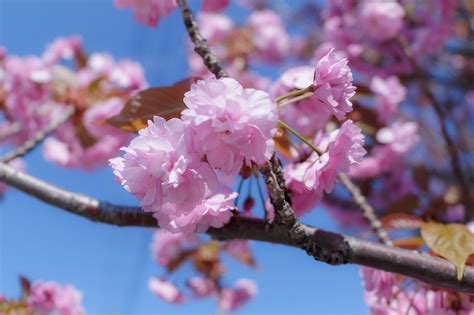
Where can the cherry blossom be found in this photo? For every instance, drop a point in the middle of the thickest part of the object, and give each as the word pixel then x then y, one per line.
pixel 148 12
pixel 45 297
pixel 230 125
pixel 233 298
pixel 165 290
pixel 344 148
pixel 381 19
pixel 333 84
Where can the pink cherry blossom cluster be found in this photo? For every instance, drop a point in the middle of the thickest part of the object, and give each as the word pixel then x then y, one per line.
pixel 307 180
pixel 369 30
pixel 168 248
pixel 49 297
pixel 384 296
pixel 173 166
pixel 150 12
pixel 230 298
pixel 37 89
pixel 262 39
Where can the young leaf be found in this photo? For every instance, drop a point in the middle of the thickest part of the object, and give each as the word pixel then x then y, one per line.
pixel 452 241
pixel 406 204
pixel 283 144
pixel 178 261
pixel 409 243
pixel 166 101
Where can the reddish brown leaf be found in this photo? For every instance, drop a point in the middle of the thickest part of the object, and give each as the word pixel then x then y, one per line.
pixel 245 171
pixel 421 177
pixel 178 261
pixel 166 102
pixel 283 144
pixel 410 243
pixel 401 221
pixel 85 138
pixel 25 285
pixel 206 260
pixel 406 205
pixel 364 115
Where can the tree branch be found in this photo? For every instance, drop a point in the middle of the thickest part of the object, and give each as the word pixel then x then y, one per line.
pixel 435 271
pixel 39 137
pixel 200 43
pixel 453 154
pixel 368 211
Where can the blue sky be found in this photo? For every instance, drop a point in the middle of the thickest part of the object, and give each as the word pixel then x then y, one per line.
pixel 112 265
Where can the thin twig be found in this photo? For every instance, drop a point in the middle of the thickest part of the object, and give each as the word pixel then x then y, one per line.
pixel 434 271
pixel 200 43
pixel 453 154
pixel 451 148
pixel 30 144
pixel 368 211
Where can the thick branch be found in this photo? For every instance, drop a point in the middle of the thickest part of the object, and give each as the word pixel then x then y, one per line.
pixel 432 270
pixel 200 43
pixel 39 137
pixel 368 211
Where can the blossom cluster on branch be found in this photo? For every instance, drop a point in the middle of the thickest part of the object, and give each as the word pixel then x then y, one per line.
pixel 375 95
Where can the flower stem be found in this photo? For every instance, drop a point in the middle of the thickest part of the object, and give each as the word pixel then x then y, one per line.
pixel 299 136
pixel 294 93
pixel 295 99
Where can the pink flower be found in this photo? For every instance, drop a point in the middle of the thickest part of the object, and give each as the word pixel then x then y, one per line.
pixel 303 199
pixel 148 12
pixel 66 149
pixel 333 84
pixel 270 39
pixel 381 19
pixel 68 301
pixel 165 290
pixel 389 93
pixel 399 136
pixel 422 301
pixel 233 298
pixel 214 5
pixel 344 148
pixel 159 167
pixel 43 296
pixel 201 287
pixel 28 96
pixel 110 76
pixel 215 26
pixel 167 246
pixel 306 116
pixel 46 297
pixel 62 48
pixel 214 211
pixel 230 125
pixel 379 282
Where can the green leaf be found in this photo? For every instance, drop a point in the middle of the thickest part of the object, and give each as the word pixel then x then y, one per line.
pixel 452 241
